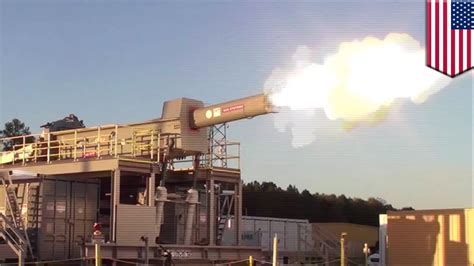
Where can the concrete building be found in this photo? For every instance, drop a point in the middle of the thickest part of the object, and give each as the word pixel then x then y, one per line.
pixel 427 237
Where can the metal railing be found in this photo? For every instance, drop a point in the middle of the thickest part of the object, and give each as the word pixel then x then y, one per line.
pixel 225 154
pixel 15 208
pixel 326 243
pixel 12 235
pixel 104 141
pixel 231 157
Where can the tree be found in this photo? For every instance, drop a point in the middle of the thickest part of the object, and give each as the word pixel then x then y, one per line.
pixel 13 129
pixel 292 189
pixel 306 194
pixel 270 187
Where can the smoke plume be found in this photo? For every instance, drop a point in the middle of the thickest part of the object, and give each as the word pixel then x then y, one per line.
pixel 357 84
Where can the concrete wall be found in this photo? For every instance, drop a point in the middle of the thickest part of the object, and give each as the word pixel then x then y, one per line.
pixel 431 237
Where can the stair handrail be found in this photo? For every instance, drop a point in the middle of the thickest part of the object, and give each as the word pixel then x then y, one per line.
pixel 327 242
pixel 5 187
pixel 19 209
pixel 16 240
pixel 327 236
pixel 220 231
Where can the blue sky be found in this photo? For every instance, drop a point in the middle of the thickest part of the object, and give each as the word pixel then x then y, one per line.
pixel 118 61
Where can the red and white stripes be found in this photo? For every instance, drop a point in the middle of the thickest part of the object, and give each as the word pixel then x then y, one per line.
pixel 447 50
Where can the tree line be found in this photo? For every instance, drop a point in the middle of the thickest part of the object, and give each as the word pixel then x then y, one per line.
pixel 269 200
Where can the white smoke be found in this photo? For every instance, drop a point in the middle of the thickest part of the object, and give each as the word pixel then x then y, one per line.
pixel 357 84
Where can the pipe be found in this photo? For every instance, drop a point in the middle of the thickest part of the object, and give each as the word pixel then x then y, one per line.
pixel 275 251
pixel 343 249
pixel 192 200
pixel 98 256
pixel 164 171
pixel 196 164
pixel 161 197
pixel 145 239
pixel 232 110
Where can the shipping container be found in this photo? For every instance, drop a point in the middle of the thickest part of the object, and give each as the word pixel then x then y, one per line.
pixel 59 213
pixel 295 243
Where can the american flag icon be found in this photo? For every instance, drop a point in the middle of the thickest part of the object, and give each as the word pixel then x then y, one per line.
pixel 449 38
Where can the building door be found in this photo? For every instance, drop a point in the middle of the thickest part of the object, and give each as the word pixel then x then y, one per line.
pixel 83 215
pixel 68 212
pixel 53 231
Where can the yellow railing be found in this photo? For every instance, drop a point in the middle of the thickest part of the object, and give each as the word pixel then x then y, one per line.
pixel 90 143
pixel 228 159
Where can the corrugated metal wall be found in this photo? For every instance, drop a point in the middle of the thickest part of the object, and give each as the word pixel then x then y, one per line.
pixel 293 235
pixel 202 224
pixel 84 213
pixel 68 211
pixel 172 230
pixel 431 237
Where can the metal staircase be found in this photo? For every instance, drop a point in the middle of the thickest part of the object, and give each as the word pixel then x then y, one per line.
pixel 33 217
pixel 13 237
pixel 220 229
pixel 15 223
pixel 225 207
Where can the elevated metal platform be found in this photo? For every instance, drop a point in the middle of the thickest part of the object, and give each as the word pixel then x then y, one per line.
pixel 174 181
pixel 101 175
pixel 180 253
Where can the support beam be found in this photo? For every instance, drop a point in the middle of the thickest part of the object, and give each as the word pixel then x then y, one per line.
pixel 211 211
pixel 150 190
pixel 114 201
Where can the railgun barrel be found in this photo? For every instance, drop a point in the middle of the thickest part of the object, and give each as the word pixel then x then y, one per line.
pixel 232 110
